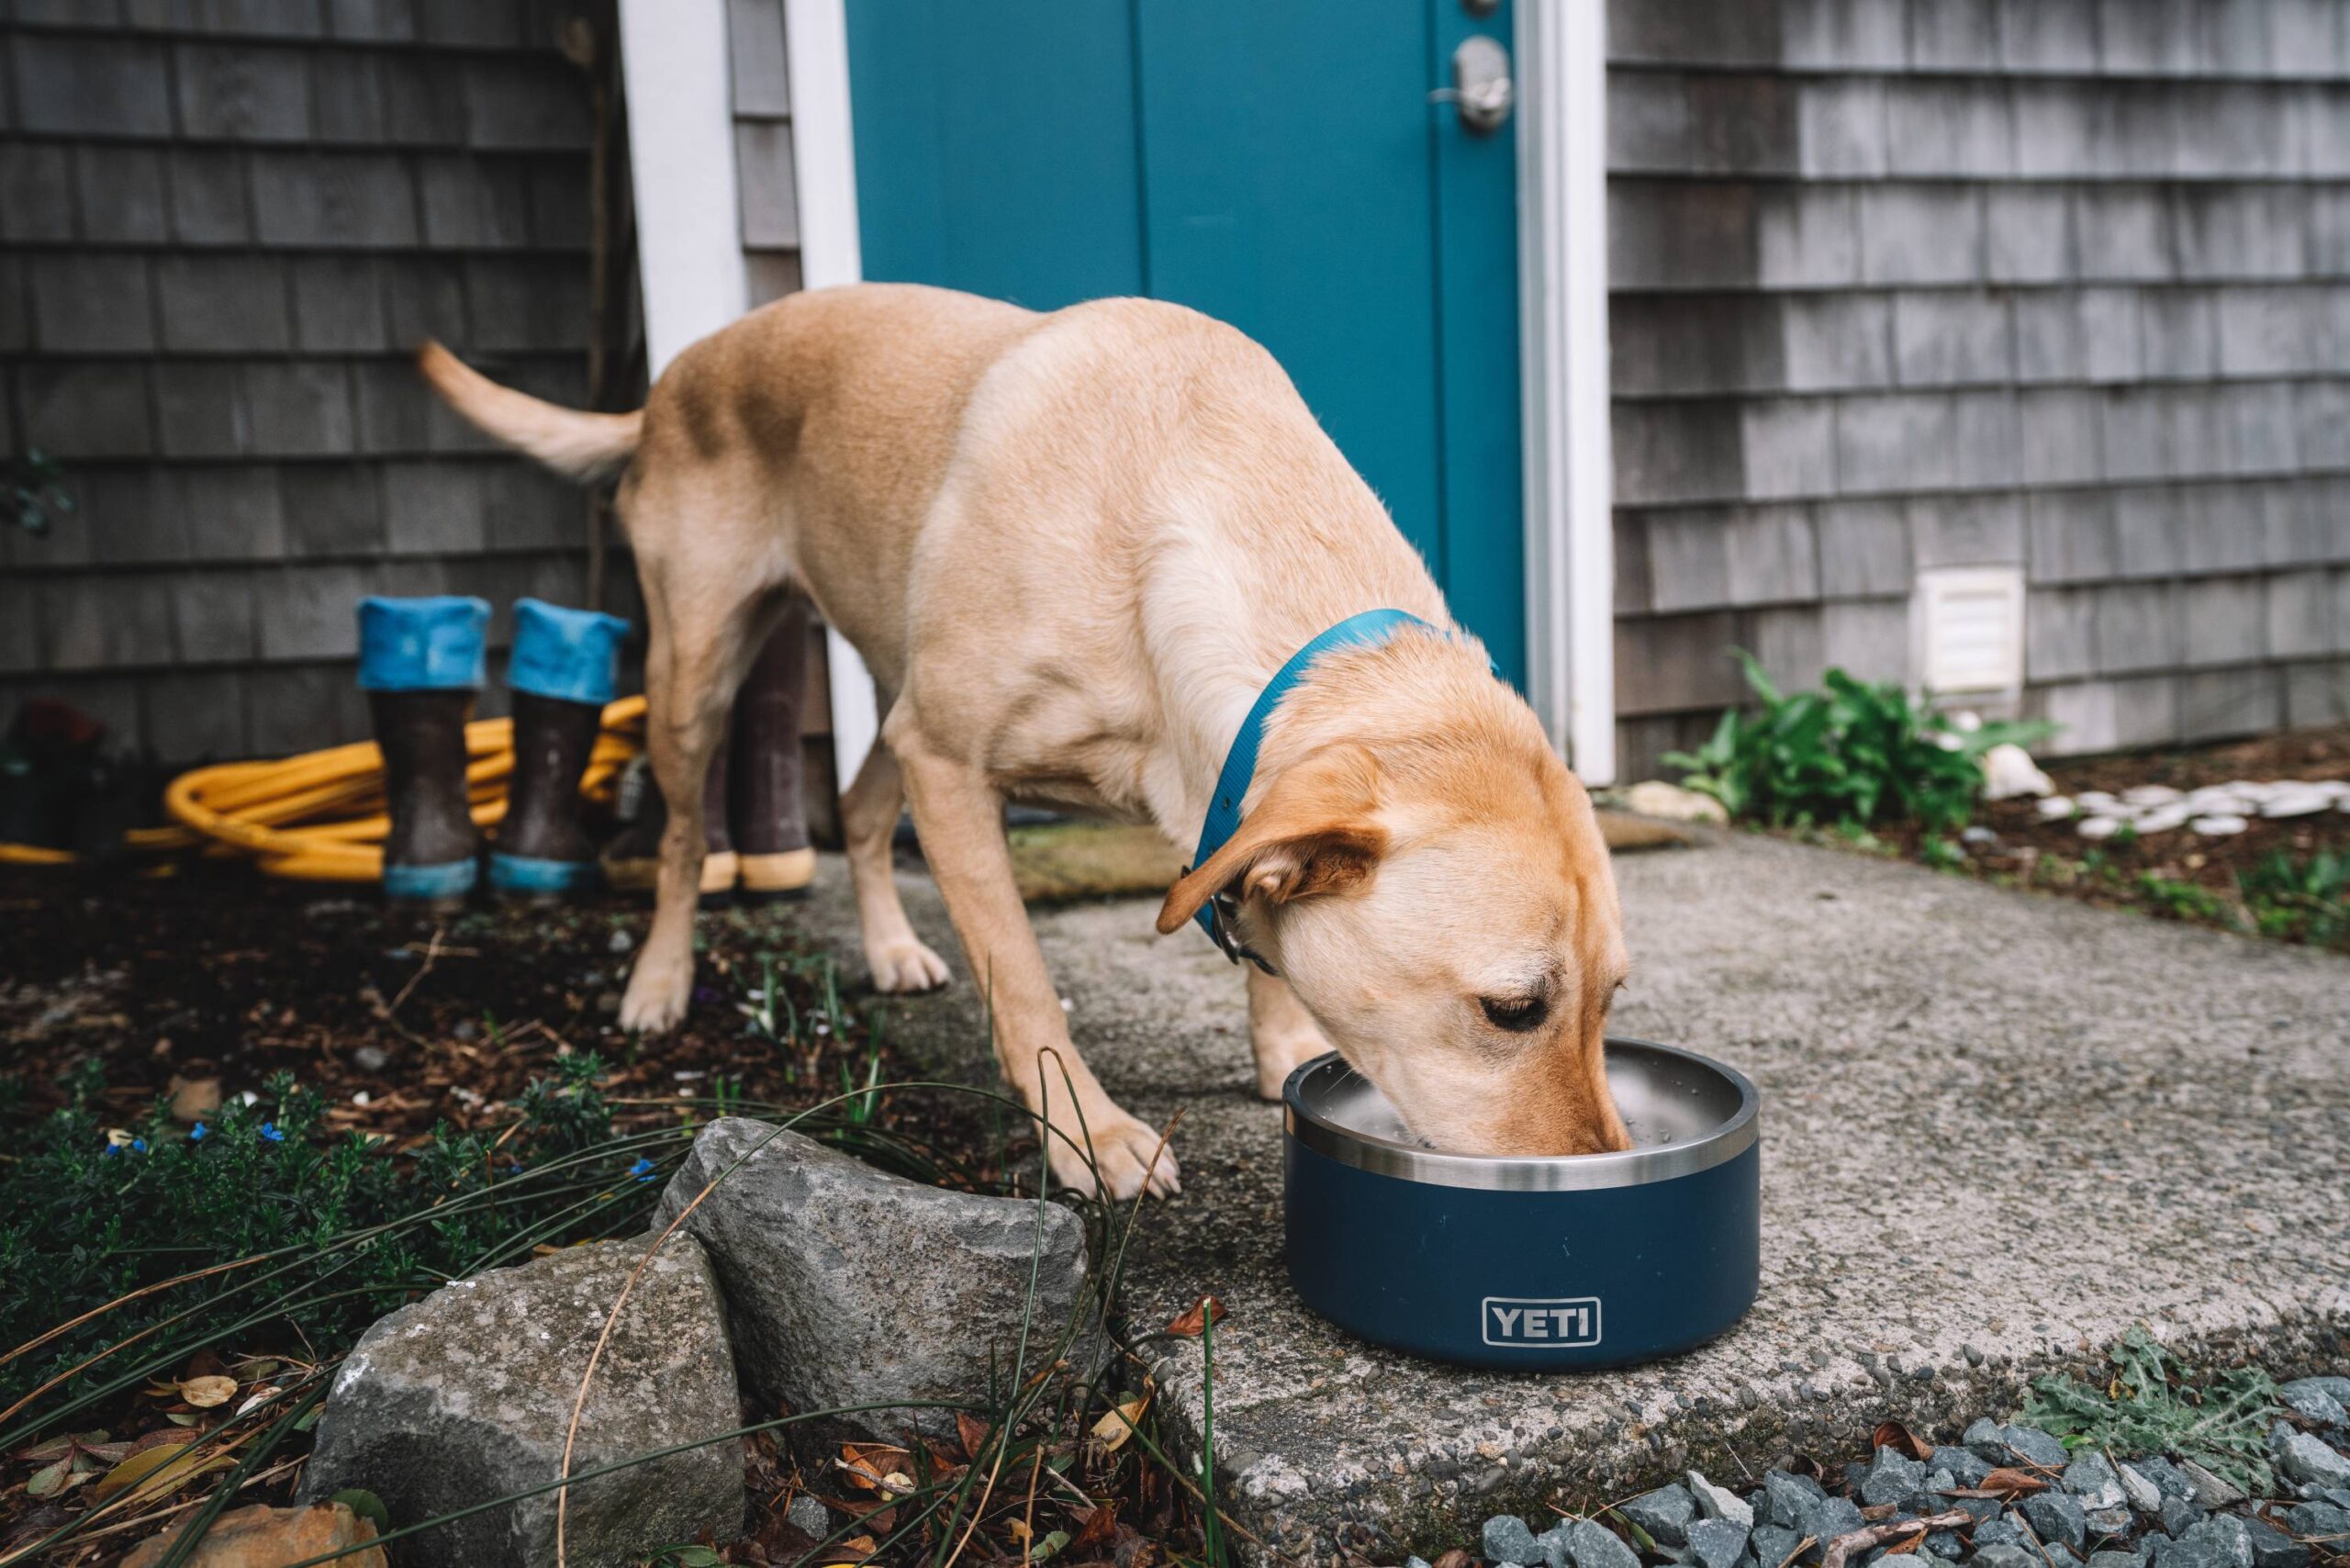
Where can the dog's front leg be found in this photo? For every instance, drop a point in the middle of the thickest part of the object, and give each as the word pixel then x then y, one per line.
pixel 900 960
pixel 960 819
pixel 1283 1032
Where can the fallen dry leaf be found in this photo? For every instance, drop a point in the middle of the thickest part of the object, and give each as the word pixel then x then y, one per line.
pixel 2002 1483
pixel 203 1393
pixel 1118 1425
pixel 973 1432
pixel 1901 1440
pixel 1455 1558
pixel 1100 1527
pixel 1192 1324
pixel 1841 1549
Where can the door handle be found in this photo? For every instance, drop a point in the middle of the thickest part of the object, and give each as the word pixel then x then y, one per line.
pixel 1481 90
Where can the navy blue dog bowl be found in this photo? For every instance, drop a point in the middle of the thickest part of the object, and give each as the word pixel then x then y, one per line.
pixel 1554 1261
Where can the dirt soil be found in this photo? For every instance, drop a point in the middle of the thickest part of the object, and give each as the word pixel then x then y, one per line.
pixel 400 1020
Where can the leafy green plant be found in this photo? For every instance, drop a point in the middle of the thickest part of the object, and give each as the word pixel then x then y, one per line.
pixel 1853 753
pixel 340 1228
pixel 2306 900
pixel 2150 1404
pixel 2182 901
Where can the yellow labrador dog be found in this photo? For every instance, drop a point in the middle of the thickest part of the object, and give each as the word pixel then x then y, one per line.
pixel 1072 549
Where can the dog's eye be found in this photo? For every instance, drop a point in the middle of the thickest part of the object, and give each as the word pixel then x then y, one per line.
pixel 1516 1014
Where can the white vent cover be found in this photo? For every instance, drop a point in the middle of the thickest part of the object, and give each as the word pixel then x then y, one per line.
pixel 1968 626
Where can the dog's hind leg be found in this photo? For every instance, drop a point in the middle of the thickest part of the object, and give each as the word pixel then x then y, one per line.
pixel 706 623
pixel 869 809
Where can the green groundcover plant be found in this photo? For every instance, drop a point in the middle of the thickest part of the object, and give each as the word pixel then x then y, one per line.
pixel 2151 1404
pixel 341 1228
pixel 1853 755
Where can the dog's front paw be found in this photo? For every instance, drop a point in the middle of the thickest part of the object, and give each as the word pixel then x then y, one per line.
pixel 907 967
pixel 1130 1157
pixel 657 995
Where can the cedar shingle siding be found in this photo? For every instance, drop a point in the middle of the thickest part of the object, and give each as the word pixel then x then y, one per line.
pixel 225 223
pixel 2056 283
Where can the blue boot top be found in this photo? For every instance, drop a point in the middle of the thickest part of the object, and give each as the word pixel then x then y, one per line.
pixel 572 655
pixel 423 644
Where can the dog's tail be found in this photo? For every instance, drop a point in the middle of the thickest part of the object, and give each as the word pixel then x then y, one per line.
pixel 574 443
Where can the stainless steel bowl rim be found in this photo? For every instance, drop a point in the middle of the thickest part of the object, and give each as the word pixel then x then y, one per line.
pixel 1528 1173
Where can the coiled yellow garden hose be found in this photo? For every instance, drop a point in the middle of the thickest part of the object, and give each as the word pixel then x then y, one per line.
pixel 320 817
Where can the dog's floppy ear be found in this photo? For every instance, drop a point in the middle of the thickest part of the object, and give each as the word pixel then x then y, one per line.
pixel 1313 831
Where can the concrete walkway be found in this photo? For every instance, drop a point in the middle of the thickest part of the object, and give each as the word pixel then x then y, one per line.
pixel 1999 1129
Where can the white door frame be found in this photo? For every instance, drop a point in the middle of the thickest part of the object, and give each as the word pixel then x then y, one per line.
pixel 1562 373
pixel 680 127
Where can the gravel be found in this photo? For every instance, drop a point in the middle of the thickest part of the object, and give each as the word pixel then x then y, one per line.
pixel 2181 1514
pixel 2314 1399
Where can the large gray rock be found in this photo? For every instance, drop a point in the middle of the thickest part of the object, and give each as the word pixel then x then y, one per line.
pixel 467 1395
pixel 2305 1458
pixel 847 1285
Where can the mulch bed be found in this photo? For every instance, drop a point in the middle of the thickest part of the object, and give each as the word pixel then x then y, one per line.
pixel 399 1021
pixel 2053 856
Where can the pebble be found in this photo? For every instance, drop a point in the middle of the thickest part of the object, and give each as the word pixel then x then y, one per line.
pixel 2167 1477
pixel 2210 1492
pixel 1591 1545
pixel 2272 1547
pixel 1984 1438
pixel 2139 1491
pixel 2105 1523
pixel 1716 1503
pixel 1791 1497
pixel 1666 1514
pixel 1832 1517
pixel 1966 1467
pixel 2150 795
pixel 2310 1398
pixel 2297 801
pixel 1891 1476
pixel 371 1058
pixel 1718 1543
pixel 1998 1532
pixel 1773 1544
pixel 2099 827
pixel 2318 1520
pixel 2005 1555
pixel 2178 1516
pixel 2162 819
pixel 810 1518
pixel 2303 1458
pixel 1507 1539
pixel 2091 1478
pixel 620 942
pixel 2219 824
pixel 2051 807
pixel 2036 1447
pixel 2114 1560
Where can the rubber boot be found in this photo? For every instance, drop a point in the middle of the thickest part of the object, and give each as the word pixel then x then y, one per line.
pixel 564 670
pixel 770 826
pixel 421 663
pixel 632 860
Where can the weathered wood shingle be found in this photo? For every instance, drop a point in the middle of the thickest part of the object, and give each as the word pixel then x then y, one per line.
pixel 228 222
pixel 2064 283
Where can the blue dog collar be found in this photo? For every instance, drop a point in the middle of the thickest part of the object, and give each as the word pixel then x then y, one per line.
pixel 1217 914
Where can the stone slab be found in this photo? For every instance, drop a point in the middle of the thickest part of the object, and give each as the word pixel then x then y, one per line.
pixel 1999 1128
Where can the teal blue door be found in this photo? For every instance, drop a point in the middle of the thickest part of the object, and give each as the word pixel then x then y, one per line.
pixel 1276 164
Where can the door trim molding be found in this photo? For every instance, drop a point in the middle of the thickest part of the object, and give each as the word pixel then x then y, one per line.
pixel 681 158
pixel 824 167
pixel 1563 377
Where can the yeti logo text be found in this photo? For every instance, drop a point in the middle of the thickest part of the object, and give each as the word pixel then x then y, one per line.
pixel 1528 1320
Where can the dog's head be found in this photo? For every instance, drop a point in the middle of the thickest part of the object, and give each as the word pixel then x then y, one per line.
pixel 1447 914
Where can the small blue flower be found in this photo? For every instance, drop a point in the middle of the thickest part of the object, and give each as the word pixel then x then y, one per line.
pixel 642 1170
pixel 271 1131
pixel 198 1133
pixel 140 1144
pixel 112 1149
